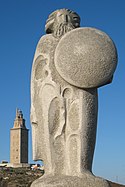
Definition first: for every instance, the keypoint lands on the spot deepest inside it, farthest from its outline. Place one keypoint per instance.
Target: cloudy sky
(21, 25)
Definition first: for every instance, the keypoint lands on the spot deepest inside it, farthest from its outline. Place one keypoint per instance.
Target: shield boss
(86, 57)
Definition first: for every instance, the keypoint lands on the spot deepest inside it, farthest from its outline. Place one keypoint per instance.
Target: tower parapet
(19, 122)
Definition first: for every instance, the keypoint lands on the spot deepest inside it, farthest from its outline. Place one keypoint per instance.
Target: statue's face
(64, 22)
(63, 17)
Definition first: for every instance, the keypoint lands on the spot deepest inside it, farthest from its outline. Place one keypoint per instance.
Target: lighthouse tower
(19, 140)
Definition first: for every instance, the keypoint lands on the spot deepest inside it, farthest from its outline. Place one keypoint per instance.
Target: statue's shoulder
(46, 42)
(47, 37)
(44, 49)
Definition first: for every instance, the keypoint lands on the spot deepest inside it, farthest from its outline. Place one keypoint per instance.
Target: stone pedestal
(70, 181)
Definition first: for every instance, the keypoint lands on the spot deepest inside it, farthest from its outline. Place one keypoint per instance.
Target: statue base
(85, 180)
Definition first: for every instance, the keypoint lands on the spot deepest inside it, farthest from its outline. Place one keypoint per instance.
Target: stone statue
(70, 63)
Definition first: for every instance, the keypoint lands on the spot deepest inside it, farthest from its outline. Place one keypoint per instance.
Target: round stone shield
(86, 57)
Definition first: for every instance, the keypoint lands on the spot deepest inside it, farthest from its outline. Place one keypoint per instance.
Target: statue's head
(61, 21)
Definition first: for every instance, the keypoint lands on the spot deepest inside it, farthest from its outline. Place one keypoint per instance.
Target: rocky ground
(22, 177)
(19, 177)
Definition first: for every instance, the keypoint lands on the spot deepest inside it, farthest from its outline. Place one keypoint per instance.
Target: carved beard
(62, 28)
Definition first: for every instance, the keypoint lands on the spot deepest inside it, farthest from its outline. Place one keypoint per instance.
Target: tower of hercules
(19, 140)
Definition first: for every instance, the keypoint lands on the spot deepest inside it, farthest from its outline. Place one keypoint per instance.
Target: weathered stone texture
(86, 57)
(67, 70)
(70, 181)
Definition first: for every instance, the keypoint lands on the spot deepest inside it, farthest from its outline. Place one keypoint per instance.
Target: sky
(21, 26)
